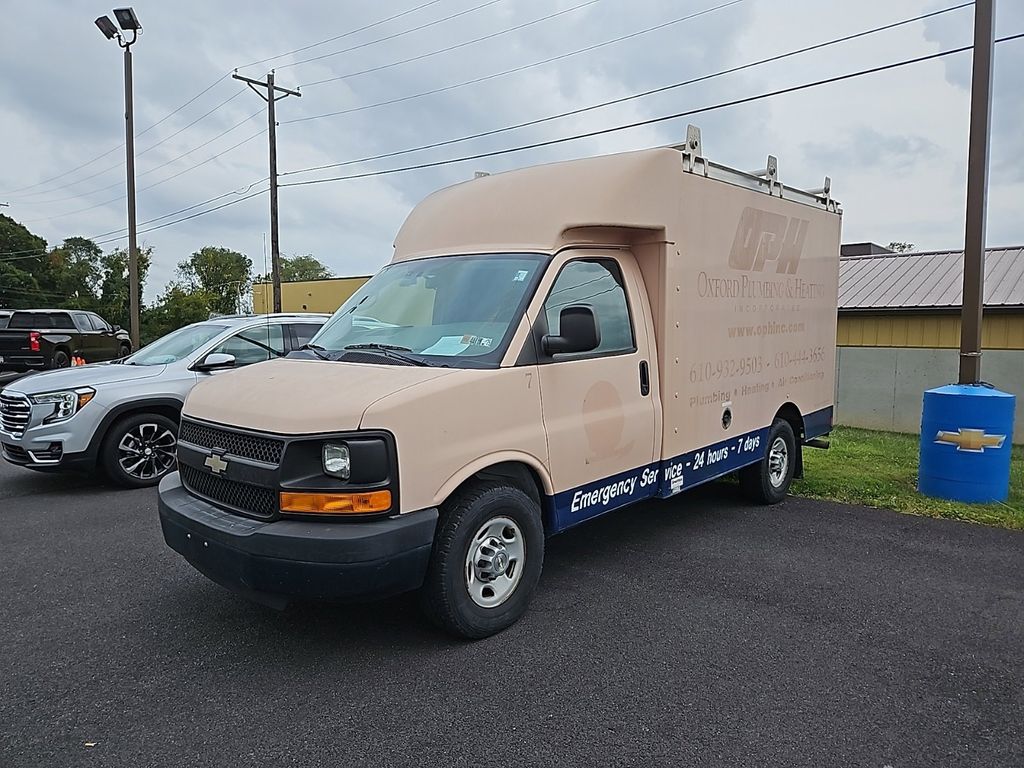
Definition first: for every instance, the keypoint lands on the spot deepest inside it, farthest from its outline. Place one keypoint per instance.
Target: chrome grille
(255, 447)
(253, 500)
(15, 410)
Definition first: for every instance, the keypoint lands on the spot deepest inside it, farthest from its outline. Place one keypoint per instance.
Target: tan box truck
(546, 345)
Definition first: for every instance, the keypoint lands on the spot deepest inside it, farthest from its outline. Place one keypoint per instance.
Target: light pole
(128, 22)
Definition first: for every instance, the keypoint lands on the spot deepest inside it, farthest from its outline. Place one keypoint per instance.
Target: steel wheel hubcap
(494, 562)
(147, 451)
(778, 462)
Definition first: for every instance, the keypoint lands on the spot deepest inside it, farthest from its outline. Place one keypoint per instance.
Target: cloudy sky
(894, 143)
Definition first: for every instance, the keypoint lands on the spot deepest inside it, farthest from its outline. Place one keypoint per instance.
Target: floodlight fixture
(107, 27)
(127, 19)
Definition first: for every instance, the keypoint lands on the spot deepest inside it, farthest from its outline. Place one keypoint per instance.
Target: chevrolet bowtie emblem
(973, 440)
(215, 463)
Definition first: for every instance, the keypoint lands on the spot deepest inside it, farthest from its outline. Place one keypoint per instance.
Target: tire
(475, 599)
(123, 454)
(768, 481)
(60, 359)
(124, 350)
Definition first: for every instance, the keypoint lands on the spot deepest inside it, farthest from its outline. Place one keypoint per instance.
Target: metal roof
(927, 280)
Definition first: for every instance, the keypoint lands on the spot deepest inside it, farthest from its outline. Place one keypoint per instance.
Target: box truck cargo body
(545, 346)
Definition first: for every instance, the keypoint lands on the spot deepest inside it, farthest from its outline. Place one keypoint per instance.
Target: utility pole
(275, 243)
(977, 190)
(133, 244)
(128, 22)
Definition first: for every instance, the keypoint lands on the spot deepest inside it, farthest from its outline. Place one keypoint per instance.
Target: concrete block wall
(882, 387)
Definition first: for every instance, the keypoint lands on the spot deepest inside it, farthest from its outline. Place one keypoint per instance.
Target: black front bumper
(273, 561)
(68, 462)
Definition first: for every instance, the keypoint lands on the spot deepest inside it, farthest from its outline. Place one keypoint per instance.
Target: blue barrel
(966, 438)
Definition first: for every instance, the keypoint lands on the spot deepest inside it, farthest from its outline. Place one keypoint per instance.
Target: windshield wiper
(390, 350)
(317, 350)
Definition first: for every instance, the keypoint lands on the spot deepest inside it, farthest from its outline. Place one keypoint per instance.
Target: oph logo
(762, 236)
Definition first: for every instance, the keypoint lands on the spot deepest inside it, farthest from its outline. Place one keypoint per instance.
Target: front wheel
(139, 450)
(768, 481)
(487, 559)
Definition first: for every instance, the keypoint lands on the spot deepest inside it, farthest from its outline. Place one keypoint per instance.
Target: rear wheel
(61, 359)
(487, 559)
(768, 481)
(139, 450)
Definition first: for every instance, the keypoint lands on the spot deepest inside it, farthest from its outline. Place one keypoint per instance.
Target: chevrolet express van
(545, 346)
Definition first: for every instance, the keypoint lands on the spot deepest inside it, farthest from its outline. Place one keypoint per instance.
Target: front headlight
(336, 460)
(65, 404)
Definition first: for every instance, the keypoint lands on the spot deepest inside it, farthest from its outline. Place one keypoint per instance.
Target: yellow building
(306, 295)
(899, 331)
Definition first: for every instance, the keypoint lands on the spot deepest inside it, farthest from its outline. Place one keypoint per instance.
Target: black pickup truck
(39, 339)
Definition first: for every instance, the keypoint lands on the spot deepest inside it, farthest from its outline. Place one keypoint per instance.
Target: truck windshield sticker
(447, 345)
(520, 276)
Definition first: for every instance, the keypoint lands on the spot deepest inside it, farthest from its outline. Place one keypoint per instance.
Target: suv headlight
(336, 460)
(65, 404)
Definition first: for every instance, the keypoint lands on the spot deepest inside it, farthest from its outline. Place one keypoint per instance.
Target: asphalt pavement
(701, 631)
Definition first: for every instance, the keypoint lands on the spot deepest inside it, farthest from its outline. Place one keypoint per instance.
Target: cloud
(894, 143)
(874, 149)
(1007, 140)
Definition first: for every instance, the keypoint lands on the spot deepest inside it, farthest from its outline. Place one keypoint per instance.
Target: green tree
(22, 258)
(304, 267)
(177, 307)
(74, 273)
(113, 304)
(221, 273)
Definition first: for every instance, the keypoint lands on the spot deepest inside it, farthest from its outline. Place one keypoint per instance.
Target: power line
(457, 46)
(631, 97)
(649, 121)
(151, 186)
(206, 90)
(33, 253)
(522, 68)
(343, 35)
(149, 148)
(119, 146)
(394, 35)
(151, 170)
(590, 134)
(187, 218)
(188, 208)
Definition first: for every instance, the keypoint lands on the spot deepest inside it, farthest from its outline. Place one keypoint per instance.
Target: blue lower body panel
(668, 477)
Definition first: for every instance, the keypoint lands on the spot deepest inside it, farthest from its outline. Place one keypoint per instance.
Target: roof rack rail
(763, 179)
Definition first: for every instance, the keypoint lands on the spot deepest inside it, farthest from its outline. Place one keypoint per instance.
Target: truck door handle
(645, 379)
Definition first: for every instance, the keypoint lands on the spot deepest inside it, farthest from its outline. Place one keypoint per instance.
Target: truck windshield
(175, 345)
(463, 307)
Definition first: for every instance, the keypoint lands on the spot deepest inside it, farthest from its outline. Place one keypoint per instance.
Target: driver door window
(254, 345)
(597, 284)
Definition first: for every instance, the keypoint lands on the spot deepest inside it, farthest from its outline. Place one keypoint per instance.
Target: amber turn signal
(336, 503)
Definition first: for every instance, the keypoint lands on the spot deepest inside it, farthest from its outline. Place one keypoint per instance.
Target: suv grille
(14, 414)
(265, 449)
(248, 499)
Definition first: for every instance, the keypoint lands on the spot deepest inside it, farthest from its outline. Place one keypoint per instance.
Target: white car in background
(122, 417)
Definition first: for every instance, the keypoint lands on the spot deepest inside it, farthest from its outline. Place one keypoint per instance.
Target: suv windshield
(175, 345)
(448, 306)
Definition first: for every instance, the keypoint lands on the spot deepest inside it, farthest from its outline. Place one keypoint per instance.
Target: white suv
(122, 417)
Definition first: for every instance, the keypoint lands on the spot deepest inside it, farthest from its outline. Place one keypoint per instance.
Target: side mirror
(117, 328)
(216, 361)
(578, 332)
